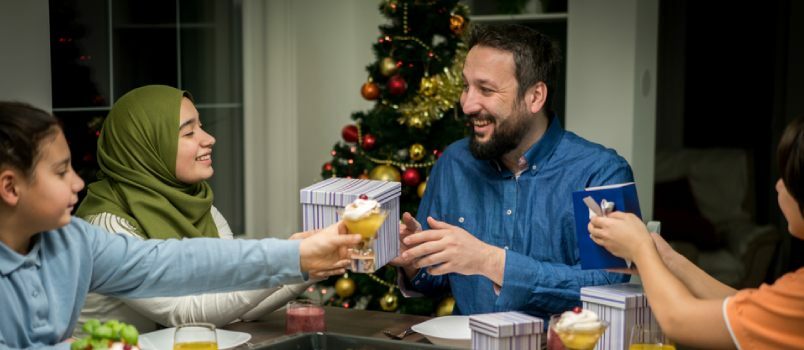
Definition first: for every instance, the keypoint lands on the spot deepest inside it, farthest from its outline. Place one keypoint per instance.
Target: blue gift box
(321, 202)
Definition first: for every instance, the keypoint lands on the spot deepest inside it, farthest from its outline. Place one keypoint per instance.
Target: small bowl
(447, 331)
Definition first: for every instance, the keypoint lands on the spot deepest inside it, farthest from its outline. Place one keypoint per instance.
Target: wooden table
(339, 320)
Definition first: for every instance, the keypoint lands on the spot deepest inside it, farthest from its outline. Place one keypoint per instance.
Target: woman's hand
(622, 234)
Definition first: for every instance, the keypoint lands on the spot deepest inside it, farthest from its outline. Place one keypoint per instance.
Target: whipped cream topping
(582, 321)
(360, 209)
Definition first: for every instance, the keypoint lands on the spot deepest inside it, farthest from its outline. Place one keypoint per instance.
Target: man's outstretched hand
(407, 227)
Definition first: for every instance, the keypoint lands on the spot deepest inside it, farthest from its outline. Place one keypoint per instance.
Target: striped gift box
(623, 306)
(321, 202)
(505, 331)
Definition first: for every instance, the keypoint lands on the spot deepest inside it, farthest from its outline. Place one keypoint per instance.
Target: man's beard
(506, 137)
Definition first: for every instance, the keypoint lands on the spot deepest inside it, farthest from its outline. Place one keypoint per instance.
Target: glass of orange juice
(647, 337)
(195, 336)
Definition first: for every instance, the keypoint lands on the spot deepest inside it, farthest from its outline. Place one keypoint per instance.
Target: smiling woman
(155, 160)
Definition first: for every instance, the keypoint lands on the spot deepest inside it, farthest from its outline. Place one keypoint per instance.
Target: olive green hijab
(137, 156)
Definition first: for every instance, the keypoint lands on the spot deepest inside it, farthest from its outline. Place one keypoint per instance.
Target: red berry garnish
(127, 347)
(576, 309)
(363, 196)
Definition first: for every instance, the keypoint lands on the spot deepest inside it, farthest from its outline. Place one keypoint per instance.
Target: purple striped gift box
(505, 331)
(623, 306)
(321, 202)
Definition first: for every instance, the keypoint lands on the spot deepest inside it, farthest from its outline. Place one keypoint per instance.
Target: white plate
(163, 339)
(446, 330)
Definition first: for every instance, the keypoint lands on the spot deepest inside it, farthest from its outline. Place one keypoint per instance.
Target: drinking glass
(576, 339)
(304, 316)
(553, 340)
(645, 337)
(367, 228)
(195, 336)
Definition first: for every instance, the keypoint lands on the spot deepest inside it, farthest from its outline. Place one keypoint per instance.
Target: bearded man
(497, 226)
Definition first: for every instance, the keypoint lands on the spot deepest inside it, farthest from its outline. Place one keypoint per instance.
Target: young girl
(49, 261)
(695, 309)
(155, 159)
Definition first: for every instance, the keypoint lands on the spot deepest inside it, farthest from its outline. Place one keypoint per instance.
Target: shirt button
(508, 212)
(35, 293)
(460, 219)
(533, 167)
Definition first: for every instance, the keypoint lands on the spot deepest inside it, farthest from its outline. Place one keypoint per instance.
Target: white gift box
(506, 330)
(623, 306)
(321, 202)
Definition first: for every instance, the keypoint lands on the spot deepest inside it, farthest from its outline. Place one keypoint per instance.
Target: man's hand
(446, 248)
(408, 227)
(327, 249)
(318, 275)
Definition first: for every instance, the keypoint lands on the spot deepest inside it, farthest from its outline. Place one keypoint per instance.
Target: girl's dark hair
(22, 128)
(791, 159)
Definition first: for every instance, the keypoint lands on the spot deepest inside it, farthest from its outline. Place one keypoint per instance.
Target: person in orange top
(695, 309)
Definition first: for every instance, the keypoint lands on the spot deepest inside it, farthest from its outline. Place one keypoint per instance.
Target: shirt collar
(535, 157)
(10, 260)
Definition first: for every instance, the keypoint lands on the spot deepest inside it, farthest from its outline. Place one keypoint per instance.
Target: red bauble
(328, 167)
(397, 85)
(369, 141)
(438, 153)
(411, 177)
(370, 91)
(349, 133)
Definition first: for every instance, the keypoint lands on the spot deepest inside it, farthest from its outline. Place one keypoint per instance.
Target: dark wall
(731, 74)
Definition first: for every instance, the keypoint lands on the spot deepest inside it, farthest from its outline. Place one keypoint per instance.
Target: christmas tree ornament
(328, 167)
(416, 151)
(428, 86)
(349, 133)
(389, 301)
(445, 306)
(370, 91)
(385, 173)
(402, 154)
(411, 177)
(415, 122)
(363, 176)
(420, 190)
(438, 153)
(388, 67)
(369, 141)
(345, 286)
(422, 109)
(456, 24)
(397, 85)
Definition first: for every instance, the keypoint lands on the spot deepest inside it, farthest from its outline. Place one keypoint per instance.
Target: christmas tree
(416, 83)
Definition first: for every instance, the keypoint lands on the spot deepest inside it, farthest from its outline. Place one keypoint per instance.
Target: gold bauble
(456, 24)
(420, 190)
(388, 67)
(389, 301)
(385, 173)
(345, 287)
(416, 152)
(445, 306)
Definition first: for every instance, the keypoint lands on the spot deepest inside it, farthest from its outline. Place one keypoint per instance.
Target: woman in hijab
(155, 159)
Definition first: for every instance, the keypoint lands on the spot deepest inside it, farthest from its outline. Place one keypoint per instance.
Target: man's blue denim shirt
(529, 215)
